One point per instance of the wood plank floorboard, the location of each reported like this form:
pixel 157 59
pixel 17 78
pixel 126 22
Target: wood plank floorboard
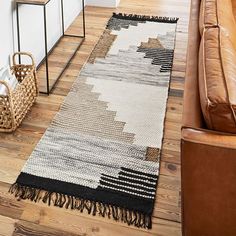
pixel 27 218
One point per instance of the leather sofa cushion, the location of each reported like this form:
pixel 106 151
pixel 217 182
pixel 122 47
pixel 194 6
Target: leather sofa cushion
pixel 208 14
pixel 215 13
pixel 217 80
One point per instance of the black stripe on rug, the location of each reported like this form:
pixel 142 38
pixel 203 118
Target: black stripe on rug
pixel 129 209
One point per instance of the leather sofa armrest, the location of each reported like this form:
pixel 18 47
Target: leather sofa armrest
pixel 208 137
pixel 208 172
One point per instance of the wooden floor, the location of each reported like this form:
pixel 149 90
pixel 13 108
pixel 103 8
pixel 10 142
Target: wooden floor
pixel 26 218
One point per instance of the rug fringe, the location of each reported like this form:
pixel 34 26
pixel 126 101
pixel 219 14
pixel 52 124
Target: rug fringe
pixel 145 18
pixel 70 202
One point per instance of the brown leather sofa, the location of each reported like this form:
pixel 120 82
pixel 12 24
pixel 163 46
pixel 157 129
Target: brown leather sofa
pixel 208 145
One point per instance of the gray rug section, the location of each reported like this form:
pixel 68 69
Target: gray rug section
pixel 168 40
pixel 117 24
pixel 128 66
pixel 162 56
pixel 83 159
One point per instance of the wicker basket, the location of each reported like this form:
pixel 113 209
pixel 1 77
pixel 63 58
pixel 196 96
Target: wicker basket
pixel 15 105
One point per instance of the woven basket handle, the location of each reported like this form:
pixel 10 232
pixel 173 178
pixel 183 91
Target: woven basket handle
pixel 6 85
pixel 22 54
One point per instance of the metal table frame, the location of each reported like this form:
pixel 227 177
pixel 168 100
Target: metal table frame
pixel 45 59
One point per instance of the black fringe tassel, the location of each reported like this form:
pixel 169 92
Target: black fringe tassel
pixel 69 202
pixel 145 18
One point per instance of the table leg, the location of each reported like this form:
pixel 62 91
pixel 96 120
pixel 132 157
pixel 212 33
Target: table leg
pixel 62 18
pixel 46 47
pixel 18 29
pixel 83 18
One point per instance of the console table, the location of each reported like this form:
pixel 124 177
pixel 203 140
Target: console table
pixel 43 3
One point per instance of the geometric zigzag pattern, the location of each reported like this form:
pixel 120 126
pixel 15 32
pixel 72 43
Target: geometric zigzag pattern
pixel 101 152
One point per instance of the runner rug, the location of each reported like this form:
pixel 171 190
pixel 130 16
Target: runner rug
pixel 101 153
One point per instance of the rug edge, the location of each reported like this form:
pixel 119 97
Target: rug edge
pixel 161 19
pixel 137 219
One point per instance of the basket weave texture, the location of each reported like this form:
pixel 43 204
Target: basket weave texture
pixel 15 105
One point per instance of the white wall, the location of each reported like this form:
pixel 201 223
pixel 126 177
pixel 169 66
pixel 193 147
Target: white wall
pixel 6 43
pixel 103 3
pixel 31 26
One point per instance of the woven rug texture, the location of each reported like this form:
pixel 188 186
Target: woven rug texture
pixel 101 152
